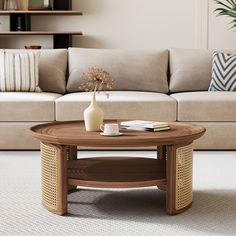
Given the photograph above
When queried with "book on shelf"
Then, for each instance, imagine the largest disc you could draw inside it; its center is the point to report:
(144, 125)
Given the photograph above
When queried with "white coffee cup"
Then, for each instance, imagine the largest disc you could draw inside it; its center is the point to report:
(109, 129)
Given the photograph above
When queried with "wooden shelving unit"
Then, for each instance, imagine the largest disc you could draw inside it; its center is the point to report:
(20, 23)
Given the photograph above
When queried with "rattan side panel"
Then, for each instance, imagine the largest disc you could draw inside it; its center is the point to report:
(184, 176)
(49, 176)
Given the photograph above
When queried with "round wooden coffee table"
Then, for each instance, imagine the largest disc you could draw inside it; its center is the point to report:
(62, 171)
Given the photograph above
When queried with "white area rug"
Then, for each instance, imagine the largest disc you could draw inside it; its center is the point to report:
(112, 212)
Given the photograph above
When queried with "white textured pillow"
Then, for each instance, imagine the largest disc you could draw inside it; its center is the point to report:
(19, 71)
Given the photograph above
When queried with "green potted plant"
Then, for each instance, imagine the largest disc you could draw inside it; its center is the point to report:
(227, 8)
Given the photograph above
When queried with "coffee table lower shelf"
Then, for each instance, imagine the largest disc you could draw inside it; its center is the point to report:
(116, 172)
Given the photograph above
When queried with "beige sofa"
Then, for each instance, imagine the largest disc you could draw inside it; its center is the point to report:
(143, 91)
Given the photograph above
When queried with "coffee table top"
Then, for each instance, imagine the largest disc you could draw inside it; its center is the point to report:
(74, 133)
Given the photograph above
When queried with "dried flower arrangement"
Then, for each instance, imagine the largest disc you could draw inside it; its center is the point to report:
(96, 79)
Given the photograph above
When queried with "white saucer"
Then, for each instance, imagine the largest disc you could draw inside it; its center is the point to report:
(111, 135)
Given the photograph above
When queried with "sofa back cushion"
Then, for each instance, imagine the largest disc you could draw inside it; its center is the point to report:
(190, 69)
(52, 69)
(131, 70)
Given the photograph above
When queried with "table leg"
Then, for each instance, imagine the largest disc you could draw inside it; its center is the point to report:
(179, 178)
(161, 155)
(161, 152)
(54, 178)
(71, 155)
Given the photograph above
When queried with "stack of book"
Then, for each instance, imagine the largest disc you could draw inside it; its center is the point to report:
(144, 125)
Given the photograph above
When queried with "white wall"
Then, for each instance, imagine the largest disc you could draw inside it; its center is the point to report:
(137, 24)
(220, 35)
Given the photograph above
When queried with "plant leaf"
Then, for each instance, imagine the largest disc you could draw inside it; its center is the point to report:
(223, 4)
(227, 9)
(230, 2)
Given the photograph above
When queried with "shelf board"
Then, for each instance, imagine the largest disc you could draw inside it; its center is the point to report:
(43, 12)
(117, 172)
(40, 33)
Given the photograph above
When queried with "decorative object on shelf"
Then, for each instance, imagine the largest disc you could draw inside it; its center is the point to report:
(10, 5)
(62, 5)
(33, 47)
(19, 23)
(23, 5)
(39, 5)
(4, 24)
(95, 79)
(227, 8)
(1, 4)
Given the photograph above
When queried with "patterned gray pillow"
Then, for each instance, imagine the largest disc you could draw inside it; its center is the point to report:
(223, 72)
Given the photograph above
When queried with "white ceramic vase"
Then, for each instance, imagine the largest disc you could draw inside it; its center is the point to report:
(93, 116)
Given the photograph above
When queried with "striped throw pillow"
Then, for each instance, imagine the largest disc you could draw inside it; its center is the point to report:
(19, 71)
(223, 72)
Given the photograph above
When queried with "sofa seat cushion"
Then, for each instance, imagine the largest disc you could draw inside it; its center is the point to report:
(119, 105)
(206, 106)
(25, 106)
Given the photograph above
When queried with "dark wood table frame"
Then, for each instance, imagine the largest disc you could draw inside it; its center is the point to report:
(62, 171)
